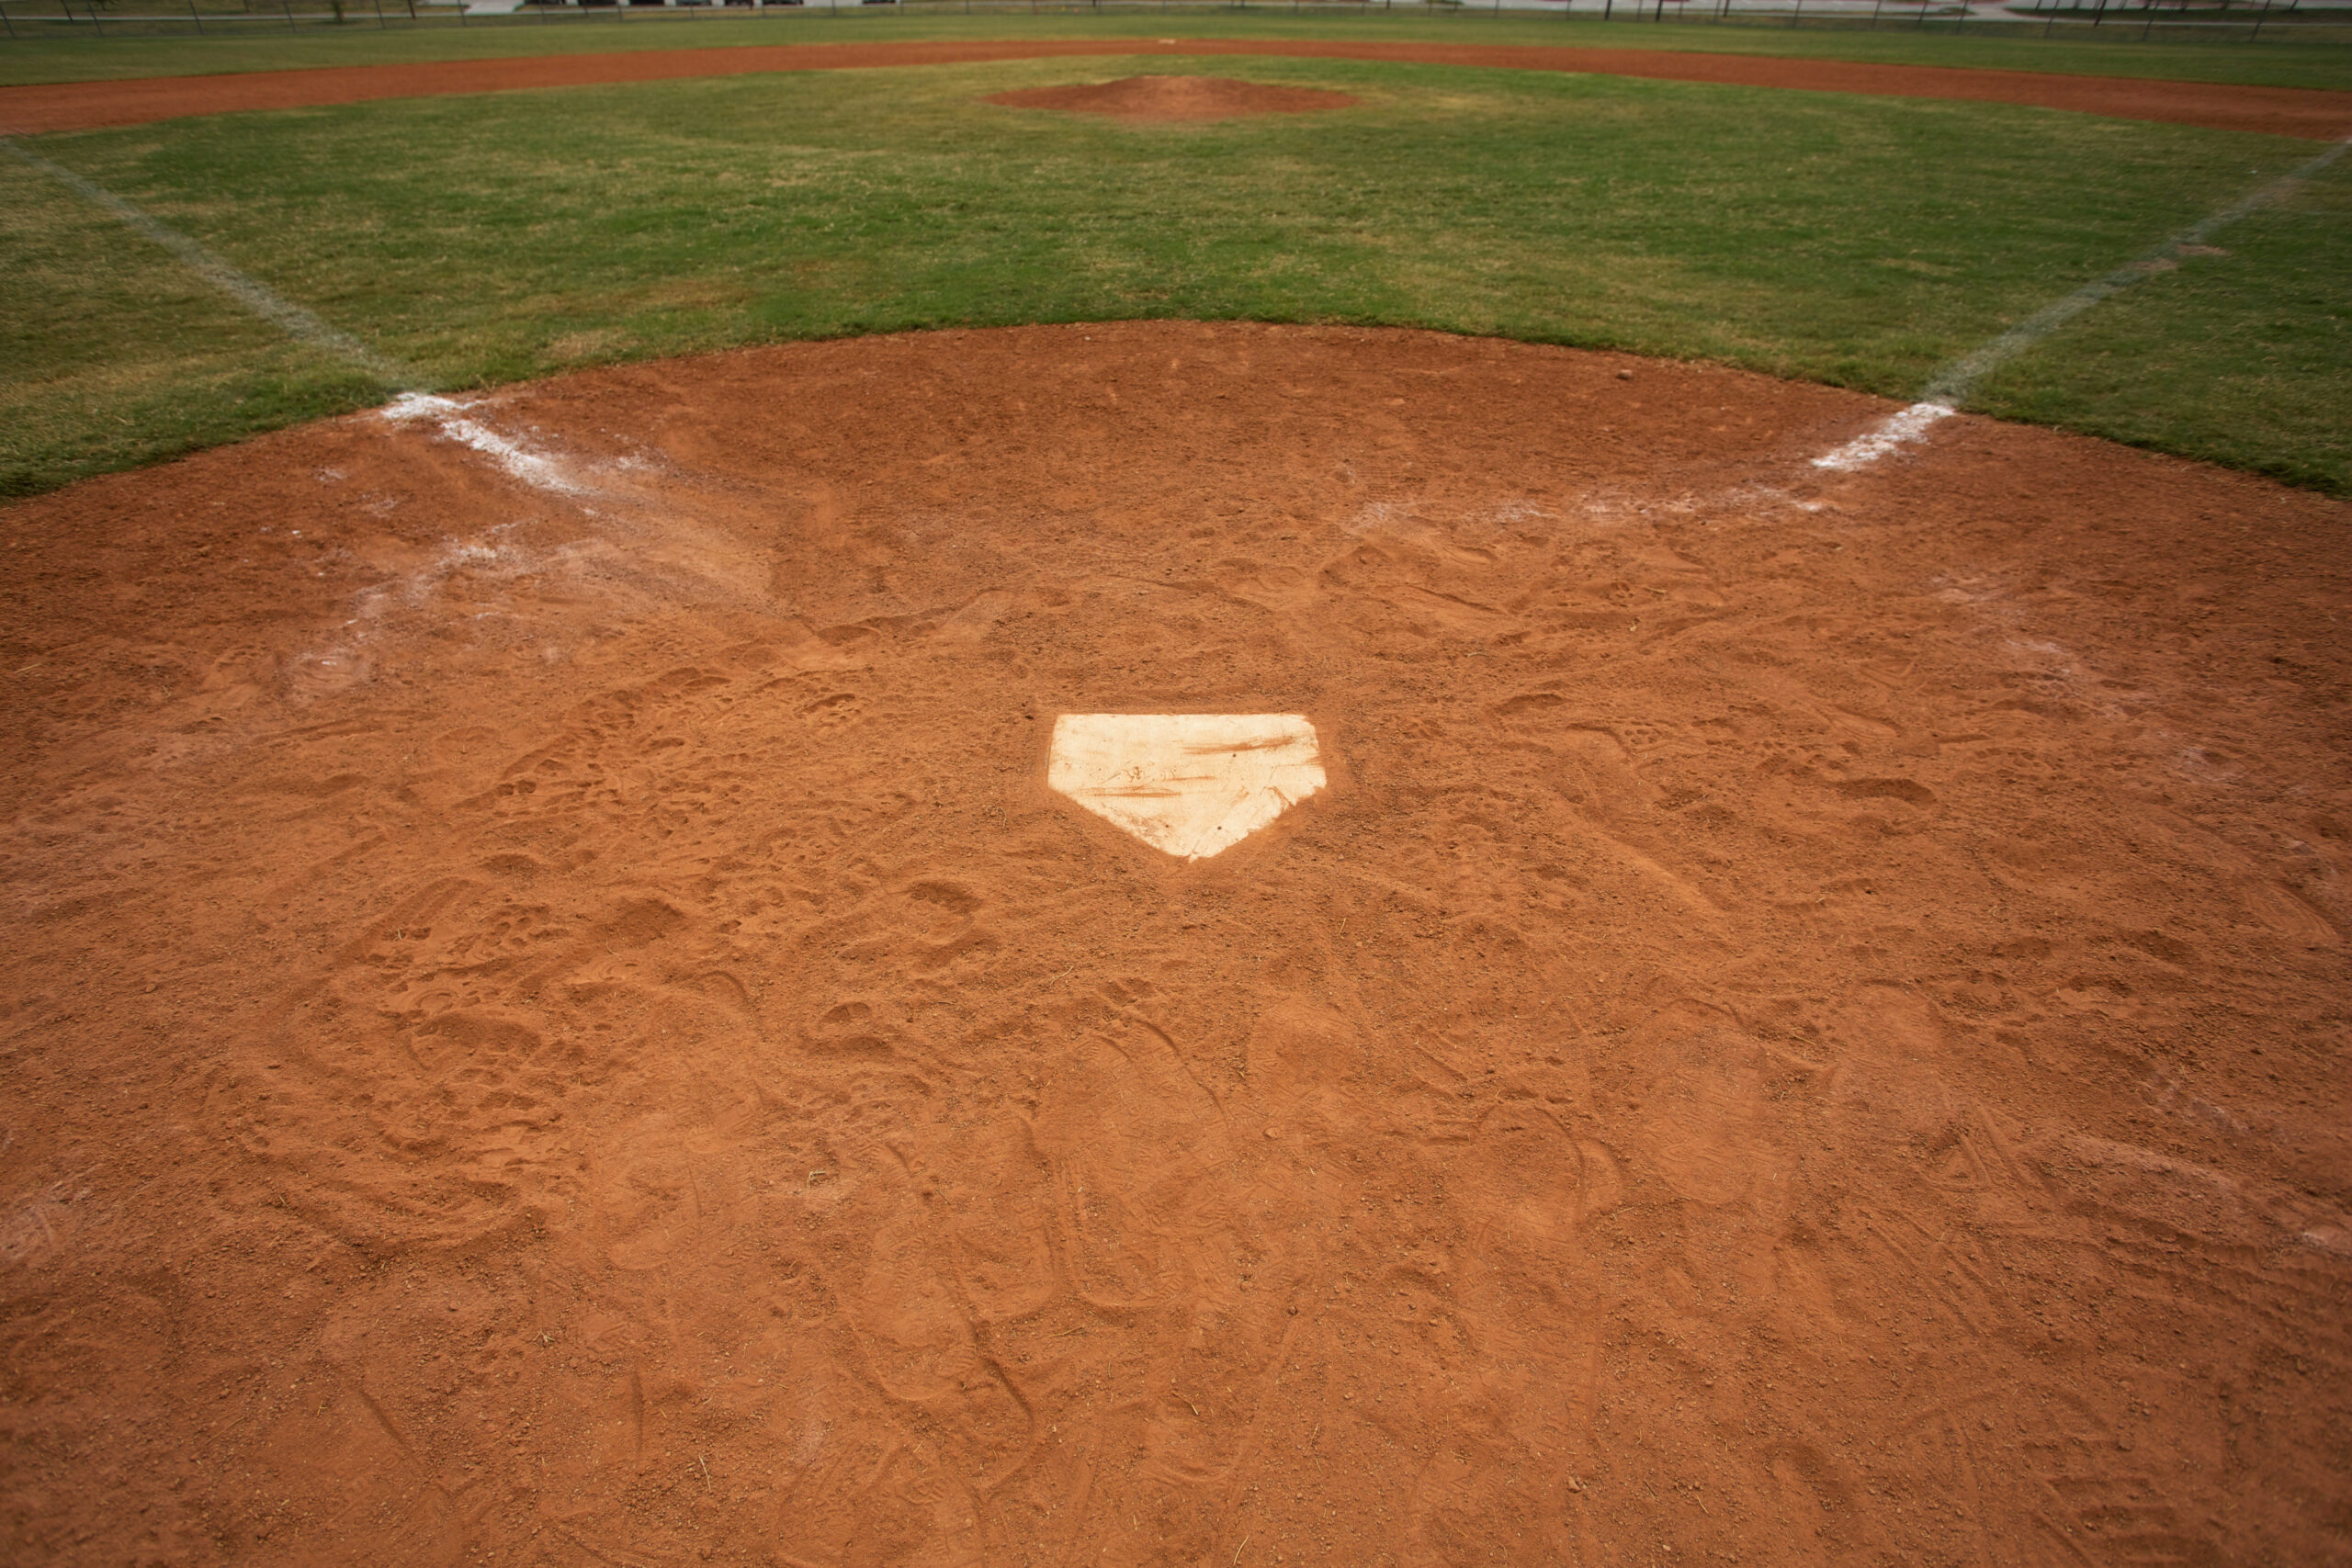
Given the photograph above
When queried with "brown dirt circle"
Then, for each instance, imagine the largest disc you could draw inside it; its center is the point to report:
(1152, 100)
(561, 1020)
(2281, 112)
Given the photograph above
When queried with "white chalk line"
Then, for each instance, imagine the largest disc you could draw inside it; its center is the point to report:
(252, 293)
(1896, 430)
(1951, 383)
(1946, 389)
(537, 469)
(540, 470)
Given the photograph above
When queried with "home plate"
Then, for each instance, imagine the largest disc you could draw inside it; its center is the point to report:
(1191, 784)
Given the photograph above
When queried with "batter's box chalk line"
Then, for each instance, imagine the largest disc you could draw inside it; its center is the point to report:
(1193, 784)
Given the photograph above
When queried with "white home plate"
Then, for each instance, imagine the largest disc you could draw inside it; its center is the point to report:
(1191, 784)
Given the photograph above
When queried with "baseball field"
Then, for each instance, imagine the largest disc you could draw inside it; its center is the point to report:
(1775, 990)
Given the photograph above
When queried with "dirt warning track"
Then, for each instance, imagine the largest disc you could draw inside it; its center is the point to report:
(555, 1012)
(2279, 111)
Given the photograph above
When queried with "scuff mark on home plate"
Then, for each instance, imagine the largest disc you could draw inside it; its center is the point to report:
(1190, 783)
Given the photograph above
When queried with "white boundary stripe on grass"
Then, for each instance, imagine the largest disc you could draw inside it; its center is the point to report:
(280, 312)
(413, 404)
(1950, 385)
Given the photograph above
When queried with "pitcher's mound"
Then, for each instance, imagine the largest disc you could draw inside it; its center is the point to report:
(1174, 99)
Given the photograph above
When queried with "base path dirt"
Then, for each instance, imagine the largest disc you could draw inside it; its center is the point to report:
(552, 1013)
(2281, 112)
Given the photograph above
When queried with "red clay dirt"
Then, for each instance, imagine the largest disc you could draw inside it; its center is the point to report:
(555, 1018)
(1153, 100)
(77, 105)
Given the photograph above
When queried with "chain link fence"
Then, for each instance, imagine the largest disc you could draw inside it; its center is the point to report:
(2205, 21)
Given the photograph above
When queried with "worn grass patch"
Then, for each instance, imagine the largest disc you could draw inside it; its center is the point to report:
(1849, 240)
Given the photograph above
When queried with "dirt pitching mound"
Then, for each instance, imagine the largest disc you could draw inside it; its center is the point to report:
(1146, 99)
(553, 1013)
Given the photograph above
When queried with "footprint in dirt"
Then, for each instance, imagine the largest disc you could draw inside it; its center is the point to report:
(1705, 1132)
(1520, 1294)
(1283, 588)
(1000, 1209)
(1307, 1071)
(1707, 1124)
(1889, 1043)
(835, 711)
(974, 621)
(1145, 1163)
(923, 1341)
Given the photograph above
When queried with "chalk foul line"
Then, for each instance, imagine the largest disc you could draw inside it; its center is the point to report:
(1951, 383)
(1895, 430)
(252, 293)
(537, 469)
(1946, 389)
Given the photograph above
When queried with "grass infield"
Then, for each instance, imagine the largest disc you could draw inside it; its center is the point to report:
(1849, 240)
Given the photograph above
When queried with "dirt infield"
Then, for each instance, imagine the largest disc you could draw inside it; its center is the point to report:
(1154, 100)
(552, 1015)
(2280, 111)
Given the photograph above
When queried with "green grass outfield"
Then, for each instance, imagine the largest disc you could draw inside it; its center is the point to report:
(1850, 239)
(2282, 60)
